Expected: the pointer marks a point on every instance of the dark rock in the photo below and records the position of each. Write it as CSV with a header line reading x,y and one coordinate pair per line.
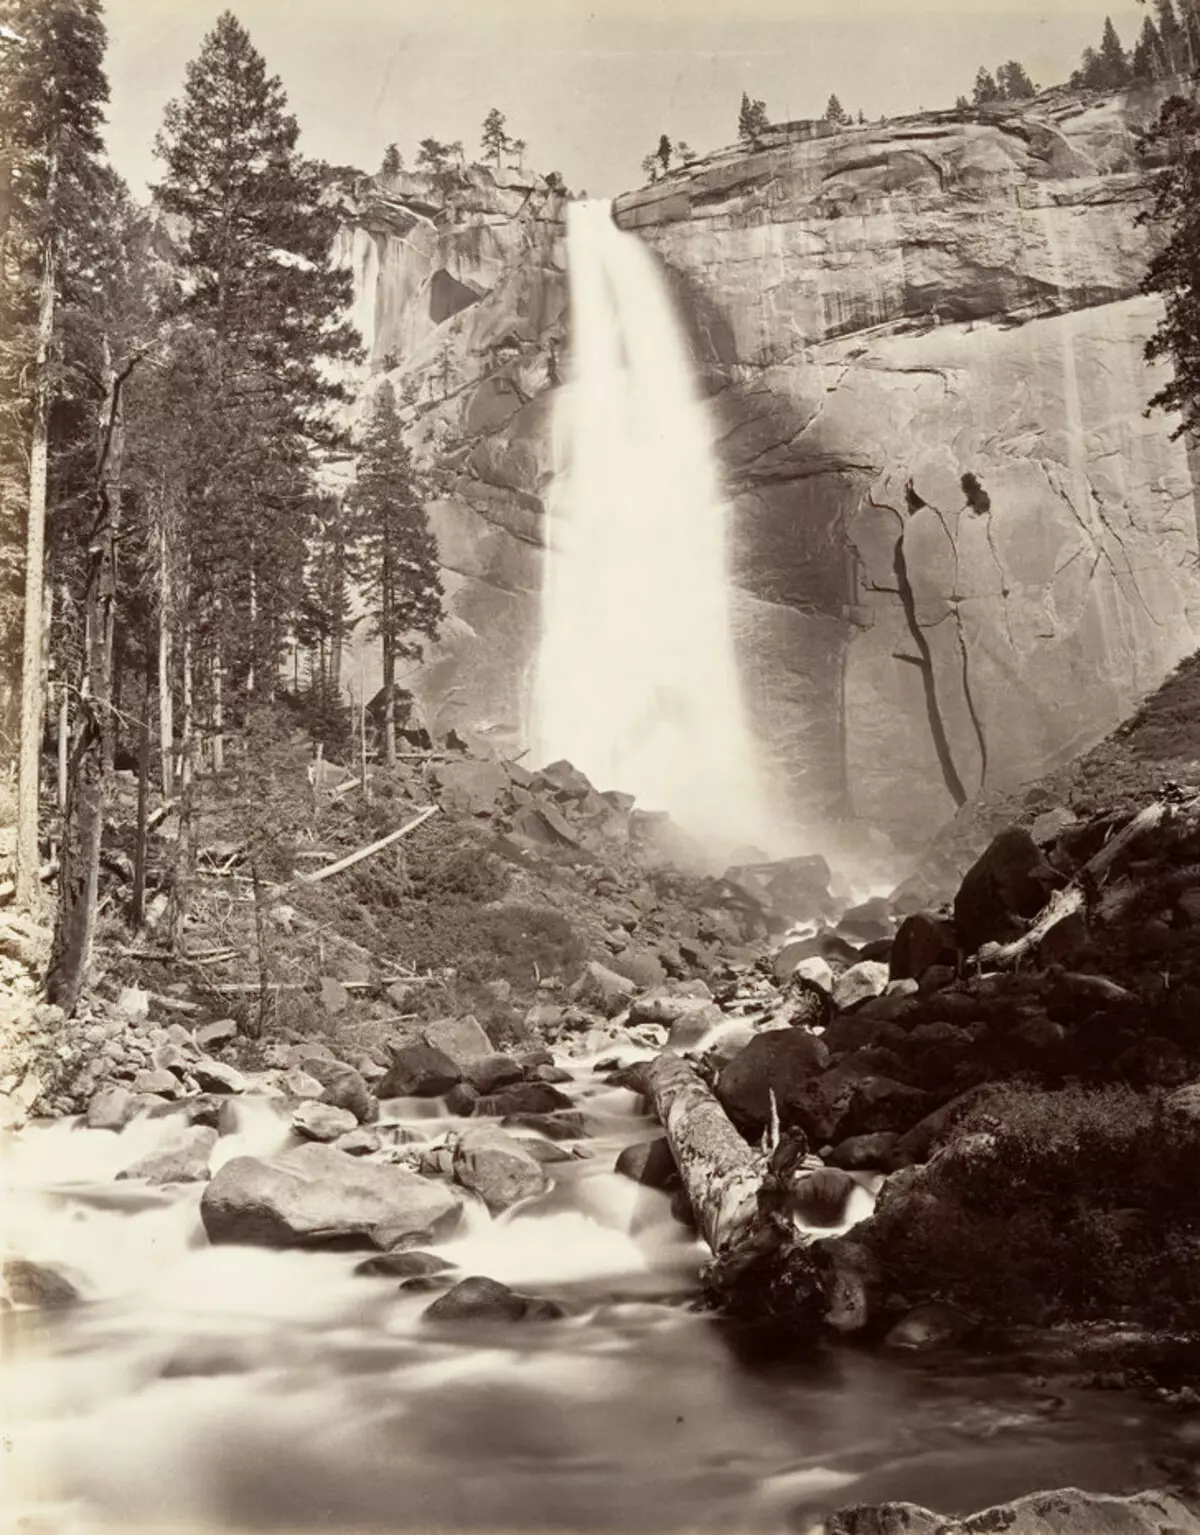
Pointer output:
x,y
551,1074
869,920
933,1325
488,1073
406,1265
568,1125
649,1163
211,1036
36,1284
936,978
1152,1062
853,1285
1007,885
497,1168
782,1060
461,1099
315,1195
864,1153
419,1071
922,941
851,1031
879,949
344,1088
919,1143
479,1300
563,780
820,1195
523,1098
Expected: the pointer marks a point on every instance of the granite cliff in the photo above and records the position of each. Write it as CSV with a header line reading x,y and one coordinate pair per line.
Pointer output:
x,y
963,552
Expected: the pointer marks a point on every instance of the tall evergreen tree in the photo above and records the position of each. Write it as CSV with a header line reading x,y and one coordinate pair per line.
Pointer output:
x,y
752,118
1176,41
663,153
1148,62
1174,272
985,88
398,559
268,313
52,92
494,138
393,161
1114,63
1013,82
835,112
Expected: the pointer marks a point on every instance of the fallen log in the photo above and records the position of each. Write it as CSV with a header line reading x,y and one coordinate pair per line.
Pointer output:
x,y
367,852
1074,898
765,1264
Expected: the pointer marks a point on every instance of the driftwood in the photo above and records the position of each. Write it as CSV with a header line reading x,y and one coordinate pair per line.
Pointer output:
x,y
1074,898
367,852
764,1263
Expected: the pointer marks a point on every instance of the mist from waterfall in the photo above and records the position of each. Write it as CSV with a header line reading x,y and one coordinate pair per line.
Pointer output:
x,y
636,680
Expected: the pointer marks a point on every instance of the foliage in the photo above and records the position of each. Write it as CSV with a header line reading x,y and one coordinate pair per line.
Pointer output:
x,y
986,88
1055,1206
1174,270
836,113
494,139
752,118
434,156
393,161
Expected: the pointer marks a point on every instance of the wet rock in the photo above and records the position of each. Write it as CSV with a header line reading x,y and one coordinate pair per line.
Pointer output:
x,y
298,1083
111,1109
784,1061
820,1195
406,1265
869,920
933,1325
690,1027
37,1284
546,1152
215,1077
211,1036
649,1163
316,1195
344,1088
603,989
478,1299
497,1168
922,940
861,982
488,1073
853,1031
567,1125
666,1006
864,1153
160,1084
181,1158
551,1074
853,1285
1008,884
462,1039
359,1143
419,1071
523,1098
322,1122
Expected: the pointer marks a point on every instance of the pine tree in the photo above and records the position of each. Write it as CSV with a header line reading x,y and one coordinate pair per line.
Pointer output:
x,y
961,104
494,139
1114,65
393,161
1176,41
986,89
663,153
650,167
517,148
433,155
1013,82
835,112
51,97
1148,62
268,312
398,563
752,118
1090,74
685,152
1174,272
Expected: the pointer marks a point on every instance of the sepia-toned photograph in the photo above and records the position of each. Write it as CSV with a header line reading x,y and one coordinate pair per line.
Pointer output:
x,y
599,767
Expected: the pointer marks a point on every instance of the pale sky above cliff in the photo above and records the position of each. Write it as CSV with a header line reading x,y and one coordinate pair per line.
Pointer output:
x,y
589,84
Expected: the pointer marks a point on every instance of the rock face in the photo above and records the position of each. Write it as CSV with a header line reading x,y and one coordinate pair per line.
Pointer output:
x,y
962,553
1065,1512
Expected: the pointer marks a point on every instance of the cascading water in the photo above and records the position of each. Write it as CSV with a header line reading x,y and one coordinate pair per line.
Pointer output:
x,y
637,682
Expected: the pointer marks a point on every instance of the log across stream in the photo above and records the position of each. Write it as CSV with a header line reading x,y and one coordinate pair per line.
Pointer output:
x,y
237,1388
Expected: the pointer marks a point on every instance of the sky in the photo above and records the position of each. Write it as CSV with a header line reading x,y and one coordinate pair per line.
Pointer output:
x,y
588,84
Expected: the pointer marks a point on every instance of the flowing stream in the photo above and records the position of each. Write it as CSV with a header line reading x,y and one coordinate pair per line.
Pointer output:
x,y
238,1389
637,682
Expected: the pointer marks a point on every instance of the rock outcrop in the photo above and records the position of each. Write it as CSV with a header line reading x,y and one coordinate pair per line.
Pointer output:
x,y
962,550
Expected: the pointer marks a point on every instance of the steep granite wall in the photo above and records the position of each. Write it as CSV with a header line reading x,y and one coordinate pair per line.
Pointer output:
x,y
962,550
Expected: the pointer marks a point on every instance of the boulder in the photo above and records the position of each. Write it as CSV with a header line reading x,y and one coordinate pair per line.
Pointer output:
x,y
869,920
111,1108
462,1039
461,1100
566,1125
690,1027
334,997
37,1284
523,1098
322,1121
489,1073
853,1284
211,1036
665,1006
497,1168
1008,884
486,1300
861,982
784,1061
821,1195
406,1265
563,780
650,1163
419,1071
216,1077
603,989
343,1088
864,1153
315,1195
922,940
932,1325
542,826
359,1143
157,1083
472,787
181,1158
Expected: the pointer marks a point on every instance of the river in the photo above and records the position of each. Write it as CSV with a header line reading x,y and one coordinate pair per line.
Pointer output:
x,y
227,1389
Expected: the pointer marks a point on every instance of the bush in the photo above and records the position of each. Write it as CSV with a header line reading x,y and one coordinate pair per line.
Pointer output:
x,y
1068,1206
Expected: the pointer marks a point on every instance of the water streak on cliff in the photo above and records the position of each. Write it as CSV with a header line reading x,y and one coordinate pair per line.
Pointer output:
x,y
636,680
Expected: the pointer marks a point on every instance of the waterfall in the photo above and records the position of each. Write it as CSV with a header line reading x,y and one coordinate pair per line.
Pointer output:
x,y
636,680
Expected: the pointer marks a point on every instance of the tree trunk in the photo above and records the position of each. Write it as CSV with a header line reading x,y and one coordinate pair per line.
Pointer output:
x,y
137,906
91,765
763,1262
218,692
187,724
166,723
28,891
389,683
64,744
253,627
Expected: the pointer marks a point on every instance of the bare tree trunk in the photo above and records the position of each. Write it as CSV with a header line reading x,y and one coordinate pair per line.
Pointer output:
x,y
389,701
218,741
91,765
28,889
187,723
166,724
64,743
137,905
253,627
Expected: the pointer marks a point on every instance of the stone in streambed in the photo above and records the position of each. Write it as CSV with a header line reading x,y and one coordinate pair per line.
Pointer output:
x,y
419,1071
567,1125
603,989
182,1158
782,1061
478,1299
407,1265
216,1077
37,1284
322,1122
864,1153
161,1084
316,1195
359,1143
488,1073
298,1083
211,1036
861,982
343,1087
111,1109
523,1098
649,1163
462,1039
497,1168
930,1326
